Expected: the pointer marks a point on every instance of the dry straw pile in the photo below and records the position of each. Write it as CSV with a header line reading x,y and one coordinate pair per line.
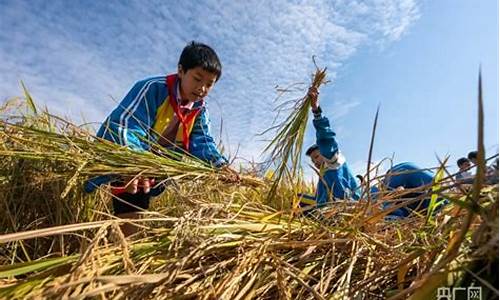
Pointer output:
x,y
210,239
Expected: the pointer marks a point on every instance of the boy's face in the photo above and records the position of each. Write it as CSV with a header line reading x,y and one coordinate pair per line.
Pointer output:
x,y
317,158
195,83
465,166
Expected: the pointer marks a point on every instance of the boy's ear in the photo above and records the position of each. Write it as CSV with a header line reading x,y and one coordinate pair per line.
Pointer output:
x,y
180,71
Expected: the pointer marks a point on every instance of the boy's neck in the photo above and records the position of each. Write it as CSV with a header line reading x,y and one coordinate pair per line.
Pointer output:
x,y
184,102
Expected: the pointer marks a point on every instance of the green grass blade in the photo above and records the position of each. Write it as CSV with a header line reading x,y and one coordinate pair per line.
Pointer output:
x,y
34,266
29,99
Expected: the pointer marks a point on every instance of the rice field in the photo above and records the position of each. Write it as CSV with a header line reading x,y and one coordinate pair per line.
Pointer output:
x,y
208,238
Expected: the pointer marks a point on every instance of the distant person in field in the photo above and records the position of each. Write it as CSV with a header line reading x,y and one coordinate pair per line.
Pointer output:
x,y
361,179
464,166
165,111
472,156
410,181
491,170
336,178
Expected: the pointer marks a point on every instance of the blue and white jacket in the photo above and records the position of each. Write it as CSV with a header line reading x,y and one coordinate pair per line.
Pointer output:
x,y
336,178
131,122
138,119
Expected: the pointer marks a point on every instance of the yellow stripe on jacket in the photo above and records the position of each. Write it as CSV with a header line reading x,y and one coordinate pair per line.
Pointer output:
x,y
164,116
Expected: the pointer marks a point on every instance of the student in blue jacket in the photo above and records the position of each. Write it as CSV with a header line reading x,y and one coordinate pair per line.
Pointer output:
x,y
165,111
336,178
405,176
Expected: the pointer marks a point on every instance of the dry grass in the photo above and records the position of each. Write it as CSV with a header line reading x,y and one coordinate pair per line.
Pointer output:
x,y
209,239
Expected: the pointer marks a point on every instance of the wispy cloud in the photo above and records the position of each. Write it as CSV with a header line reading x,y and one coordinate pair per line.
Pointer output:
x,y
76,56
382,20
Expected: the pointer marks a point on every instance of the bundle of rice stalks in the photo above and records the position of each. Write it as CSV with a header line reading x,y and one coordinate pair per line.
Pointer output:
x,y
219,241
88,156
229,251
285,148
45,161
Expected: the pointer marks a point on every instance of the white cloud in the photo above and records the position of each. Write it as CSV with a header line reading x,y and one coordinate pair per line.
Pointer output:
x,y
383,20
74,56
395,17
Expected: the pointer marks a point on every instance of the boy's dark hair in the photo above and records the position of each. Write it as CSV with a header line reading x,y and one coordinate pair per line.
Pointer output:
x,y
200,55
462,161
472,155
311,149
361,178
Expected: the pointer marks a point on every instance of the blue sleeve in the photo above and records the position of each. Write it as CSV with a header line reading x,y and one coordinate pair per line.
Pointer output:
x,y
374,191
201,143
92,184
321,195
407,175
131,122
325,137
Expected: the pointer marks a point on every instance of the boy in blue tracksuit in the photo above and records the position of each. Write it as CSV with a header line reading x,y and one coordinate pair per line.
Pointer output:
x,y
338,182
336,178
405,176
401,177
167,112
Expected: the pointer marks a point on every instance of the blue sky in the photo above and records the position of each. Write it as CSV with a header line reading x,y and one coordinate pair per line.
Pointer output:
x,y
418,59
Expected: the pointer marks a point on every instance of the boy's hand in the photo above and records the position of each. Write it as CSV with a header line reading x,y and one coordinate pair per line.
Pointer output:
x,y
132,186
313,94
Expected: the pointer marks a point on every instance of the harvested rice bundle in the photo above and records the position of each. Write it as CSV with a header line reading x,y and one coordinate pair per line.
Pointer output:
x,y
285,148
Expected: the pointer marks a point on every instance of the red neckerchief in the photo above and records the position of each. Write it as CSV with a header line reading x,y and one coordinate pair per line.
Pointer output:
x,y
185,119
